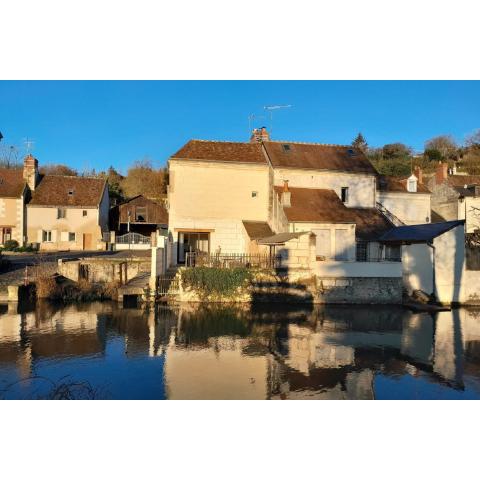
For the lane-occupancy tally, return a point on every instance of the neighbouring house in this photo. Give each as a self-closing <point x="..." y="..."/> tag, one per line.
<point x="455" y="197"/>
<point x="67" y="212"/>
<point x="14" y="193"/>
<point x="405" y="200"/>
<point x="139" y="215"/>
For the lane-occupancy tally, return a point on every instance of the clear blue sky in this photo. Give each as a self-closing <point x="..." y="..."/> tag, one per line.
<point x="97" y="124"/>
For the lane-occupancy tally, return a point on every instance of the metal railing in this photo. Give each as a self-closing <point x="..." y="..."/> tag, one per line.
<point x="133" y="238"/>
<point x="393" y="218"/>
<point x="231" y="260"/>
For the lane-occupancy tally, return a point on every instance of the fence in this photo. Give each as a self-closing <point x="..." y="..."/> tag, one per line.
<point x="167" y="285"/>
<point x="133" y="238"/>
<point x="231" y="260"/>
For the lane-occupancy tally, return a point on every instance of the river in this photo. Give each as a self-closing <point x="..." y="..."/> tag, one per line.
<point x="103" y="351"/>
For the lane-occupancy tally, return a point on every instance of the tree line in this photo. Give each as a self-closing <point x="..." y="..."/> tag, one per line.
<point x="397" y="158"/>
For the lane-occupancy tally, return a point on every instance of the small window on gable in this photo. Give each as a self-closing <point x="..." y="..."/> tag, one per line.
<point x="141" y="214"/>
<point x="84" y="213"/>
<point x="344" y="194"/>
<point x="61" y="212"/>
<point x="254" y="194"/>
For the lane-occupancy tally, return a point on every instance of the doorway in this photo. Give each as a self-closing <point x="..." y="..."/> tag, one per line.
<point x="195" y="242"/>
<point x="87" y="241"/>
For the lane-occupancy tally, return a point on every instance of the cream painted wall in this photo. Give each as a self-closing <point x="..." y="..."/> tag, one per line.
<point x="417" y="268"/>
<point x="217" y="190"/>
<point x="410" y="208"/>
<point x="45" y="218"/>
<point x="361" y="187"/>
<point x="12" y="215"/>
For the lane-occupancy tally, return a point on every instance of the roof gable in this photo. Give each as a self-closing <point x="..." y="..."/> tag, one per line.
<point x="318" y="157"/>
<point x="387" y="183"/>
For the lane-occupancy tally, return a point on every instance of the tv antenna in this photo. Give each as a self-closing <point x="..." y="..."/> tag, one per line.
<point x="251" y="118"/>
<point x="270" y="109"/>
<point x="28" y="145"/>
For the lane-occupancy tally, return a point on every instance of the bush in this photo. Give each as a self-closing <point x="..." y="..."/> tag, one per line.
<point x="218" y="281"/>
<point x="10" y="245"/>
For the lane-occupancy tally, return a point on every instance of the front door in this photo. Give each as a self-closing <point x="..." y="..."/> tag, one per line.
<point x="195" y="242"/>
<point x="87" y="241"/>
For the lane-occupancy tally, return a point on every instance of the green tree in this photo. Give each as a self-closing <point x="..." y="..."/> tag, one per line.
<point x="360" y="143"/>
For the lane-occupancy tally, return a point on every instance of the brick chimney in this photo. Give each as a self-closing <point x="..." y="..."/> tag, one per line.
<point x="286" y="195"/>
<point x="259" y="135"/>
<point x="441" y="173"/>
<point x="30" y="171"/>
<point x="417" y="171"/>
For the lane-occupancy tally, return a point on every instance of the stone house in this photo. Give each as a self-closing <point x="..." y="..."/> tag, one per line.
<point x="14" y="193"/>
<point x="455" y="197"/>
<point x="66" y="212"/>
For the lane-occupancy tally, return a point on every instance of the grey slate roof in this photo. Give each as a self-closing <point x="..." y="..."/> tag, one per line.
<point x="418" y="233"/>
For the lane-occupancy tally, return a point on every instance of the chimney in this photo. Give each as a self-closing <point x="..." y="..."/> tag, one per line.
<point x="418" y="173"/>
<point x="286" y="195"/>
<point x="259" y="135"/>
<point x="441" y="173"/>
<point x="30" y="171"/>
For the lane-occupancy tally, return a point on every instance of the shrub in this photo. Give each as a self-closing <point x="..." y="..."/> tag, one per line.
<point x="217" y="281"/>
<point x="10" y="245"/>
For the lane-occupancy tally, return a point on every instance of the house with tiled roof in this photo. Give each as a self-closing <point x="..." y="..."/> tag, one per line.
<point x="66" y="212"/>
<point x="14" y="193"/>
<point x="222" y="194"/>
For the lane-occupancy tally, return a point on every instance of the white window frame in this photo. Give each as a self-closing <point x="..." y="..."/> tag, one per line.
<point x="46" y="236"/>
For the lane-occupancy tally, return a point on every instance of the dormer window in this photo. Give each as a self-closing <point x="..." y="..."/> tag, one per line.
<point x="286" y="147"/>
<point x="412" y="184"/>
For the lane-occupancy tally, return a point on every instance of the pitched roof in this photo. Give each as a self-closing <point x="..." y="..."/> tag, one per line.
<point x="256" y="230"/>
<point x="65" y="191"/>
<point x="11" y="182"/>
<point x="371" y="224"/>
<point x="222" y="151"/>
<point x="387" y="183"/>
<point x="155" y="212"/>
<point x="318" y="156"/>
<point x="316" y="205"/>
<point x="419" y="233"/>
<point x="462" y="180"/>
<point x="280" y="238"/>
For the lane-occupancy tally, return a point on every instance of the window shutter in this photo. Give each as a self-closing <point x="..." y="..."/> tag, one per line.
<point x="64" y="236"/>
<point x="341" y="244"/>
<point x="323" y="247"/>
<point x="54" y="235"/>
<point x="39" y="236"/>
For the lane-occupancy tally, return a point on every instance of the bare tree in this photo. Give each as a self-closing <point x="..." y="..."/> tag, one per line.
<point x="445" y="145"/>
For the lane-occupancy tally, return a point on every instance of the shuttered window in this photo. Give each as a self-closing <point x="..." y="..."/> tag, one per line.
<point x="341" y="244"/>
<point x="323" y="243"/>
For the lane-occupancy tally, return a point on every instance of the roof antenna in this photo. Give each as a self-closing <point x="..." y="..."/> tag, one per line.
<point x="271" y="108"/>
<point x="28" y="145"/>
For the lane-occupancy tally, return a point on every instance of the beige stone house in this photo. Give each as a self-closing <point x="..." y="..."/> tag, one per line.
<point x="67" y="212"/>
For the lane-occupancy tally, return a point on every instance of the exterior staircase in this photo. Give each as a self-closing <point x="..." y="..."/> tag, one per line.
<point x="393" y="219"/>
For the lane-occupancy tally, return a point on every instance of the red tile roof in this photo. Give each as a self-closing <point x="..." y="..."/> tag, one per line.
<point x="11" y="182"/>
<point x="65" y="191"/>
<point x="222" y="151"/>
<point x="318" y="157"/>
<point x="316" y="205"/>
<point x="371" y="224"/>
<point x="388" y="183"/>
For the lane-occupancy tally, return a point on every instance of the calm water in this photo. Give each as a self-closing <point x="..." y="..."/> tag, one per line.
<point x="103" y="351"/>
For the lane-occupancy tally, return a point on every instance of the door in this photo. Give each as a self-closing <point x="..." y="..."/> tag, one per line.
<point x="87" y="241"/>
<point x="195" y="242"/>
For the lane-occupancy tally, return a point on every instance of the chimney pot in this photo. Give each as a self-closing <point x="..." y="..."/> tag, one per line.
<point x="259" y="135"/>
<point x="30" y="171"/>
<point x="441" y="173"/>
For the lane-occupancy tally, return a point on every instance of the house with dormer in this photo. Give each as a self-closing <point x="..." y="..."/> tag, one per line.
<point x="65" y="212"/>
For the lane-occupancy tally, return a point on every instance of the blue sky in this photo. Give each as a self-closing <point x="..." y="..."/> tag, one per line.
<point x="97" y="124"/>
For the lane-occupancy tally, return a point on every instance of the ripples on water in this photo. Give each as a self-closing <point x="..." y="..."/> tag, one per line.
<point x="100" y="350"/>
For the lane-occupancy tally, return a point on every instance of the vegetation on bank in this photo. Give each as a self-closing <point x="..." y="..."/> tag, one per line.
<point x="215" y="281"/>
<point x="13" y="246"/>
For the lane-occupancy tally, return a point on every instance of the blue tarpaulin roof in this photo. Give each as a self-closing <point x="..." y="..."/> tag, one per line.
<point x="424" y="233"/>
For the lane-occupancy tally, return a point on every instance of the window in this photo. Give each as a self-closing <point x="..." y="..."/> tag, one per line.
<point x="351" y="152"/>
<point x="344" y="194"/>
<point x="85" y="213"/>
<point x="254" y="194"/>
<point x="70" y="193"/>
<point x="71" y="236"/>
<point x="141" y="214"/>
<point x="323" y="248"/>
<point x="362" y="251"/>
<point x="393" y="253"/>
<point x="286" y="147"/>
<point x="46" y="236"/>
<point x="61" y="212"/>
<point x="341" y="244"/>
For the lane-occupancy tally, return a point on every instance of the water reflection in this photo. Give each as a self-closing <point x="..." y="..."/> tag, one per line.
<point x="329" y="352"/>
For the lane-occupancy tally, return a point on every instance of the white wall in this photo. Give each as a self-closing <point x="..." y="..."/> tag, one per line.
<point x="410" y="208"/>
<point x="417" y="261"/>
<point x="470" y="206"/>
<point x="358" y="269"/>
<point x="361" y="187"/>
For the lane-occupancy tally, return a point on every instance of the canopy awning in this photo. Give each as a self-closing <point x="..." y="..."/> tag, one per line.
<point x="425" y="233"/>
<point x="280" y="238"/>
